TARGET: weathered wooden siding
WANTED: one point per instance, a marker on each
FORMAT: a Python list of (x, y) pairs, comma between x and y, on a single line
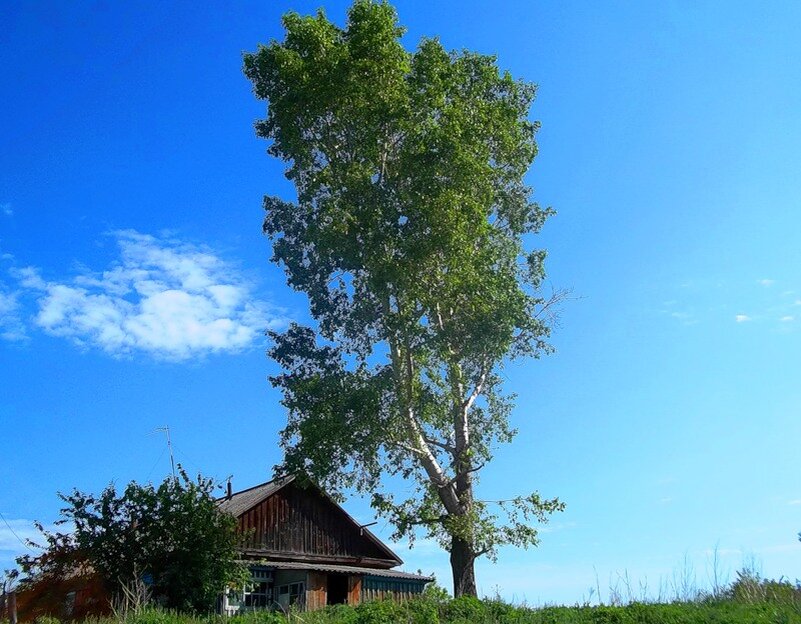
[(316, 594), (354, 590), (294, 521)]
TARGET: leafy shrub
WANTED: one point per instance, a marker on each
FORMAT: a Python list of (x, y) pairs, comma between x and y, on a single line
[(379, 612), (463, 610), (424, 610)]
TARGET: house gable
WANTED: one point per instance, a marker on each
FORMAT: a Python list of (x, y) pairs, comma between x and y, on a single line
[(285, 521)]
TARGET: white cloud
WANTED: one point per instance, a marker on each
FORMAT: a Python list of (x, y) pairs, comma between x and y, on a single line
[(164, 297), (787, 319), (11, 326), (7, 210), (796, 501), (742, 318), (767, 282)]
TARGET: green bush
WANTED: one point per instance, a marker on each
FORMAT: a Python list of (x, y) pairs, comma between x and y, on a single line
[(751, 601), (379, 612), (463, 610)]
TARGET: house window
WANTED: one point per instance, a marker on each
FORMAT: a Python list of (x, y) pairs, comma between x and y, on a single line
[(257, 595), (292, 593), (296, 593)]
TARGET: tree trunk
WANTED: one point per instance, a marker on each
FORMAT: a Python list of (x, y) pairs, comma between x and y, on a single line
[(462, 564)]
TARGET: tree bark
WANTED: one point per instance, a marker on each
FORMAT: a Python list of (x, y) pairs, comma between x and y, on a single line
[(463, 566)]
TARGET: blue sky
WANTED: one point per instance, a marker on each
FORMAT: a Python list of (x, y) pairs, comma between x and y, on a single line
[(135, 283)]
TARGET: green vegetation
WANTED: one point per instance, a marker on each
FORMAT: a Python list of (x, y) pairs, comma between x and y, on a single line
[(172, 535), (749, 600), (410, 236)]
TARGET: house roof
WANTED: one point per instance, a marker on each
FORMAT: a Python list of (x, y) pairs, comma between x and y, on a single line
[(324, 567), (240, 502)]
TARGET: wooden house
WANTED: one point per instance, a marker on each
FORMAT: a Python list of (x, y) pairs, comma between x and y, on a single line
[(303, 549)]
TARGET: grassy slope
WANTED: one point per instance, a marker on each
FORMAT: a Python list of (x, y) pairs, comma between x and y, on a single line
[(750, 600)]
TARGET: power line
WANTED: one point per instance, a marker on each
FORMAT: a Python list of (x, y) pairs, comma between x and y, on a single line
[(153, 467), (14, 533)]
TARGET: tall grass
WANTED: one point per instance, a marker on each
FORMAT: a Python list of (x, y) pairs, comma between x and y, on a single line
[(749, 599)]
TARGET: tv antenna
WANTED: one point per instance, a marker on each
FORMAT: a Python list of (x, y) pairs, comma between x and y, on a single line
[(166, 430)]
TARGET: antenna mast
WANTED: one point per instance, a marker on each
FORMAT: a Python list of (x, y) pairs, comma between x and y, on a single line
[(166, 429)]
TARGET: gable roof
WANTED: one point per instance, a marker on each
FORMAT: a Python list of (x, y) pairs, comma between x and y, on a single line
[(241, 502)]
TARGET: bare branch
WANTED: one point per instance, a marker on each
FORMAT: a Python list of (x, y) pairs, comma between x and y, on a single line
[(408, 447), (477, 390), (443, 445), (466, 471)]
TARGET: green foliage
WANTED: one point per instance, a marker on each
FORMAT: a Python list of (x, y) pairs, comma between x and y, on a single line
[(378, 612), (463, 609), (257, 617), (173, 536), (468, 610), (407, 238)]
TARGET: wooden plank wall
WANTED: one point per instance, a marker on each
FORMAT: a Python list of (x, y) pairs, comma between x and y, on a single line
[(300, 521), (316, 590), (354, 590)]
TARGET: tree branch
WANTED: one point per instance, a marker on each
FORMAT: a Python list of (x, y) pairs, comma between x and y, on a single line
[(477, 390), (449, 448), (466, 471)]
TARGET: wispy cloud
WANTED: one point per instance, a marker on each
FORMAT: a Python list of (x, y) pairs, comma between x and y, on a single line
[(11, 325), (766, 302), (7, 210), (796, 501), (685, 317), (164, 297)]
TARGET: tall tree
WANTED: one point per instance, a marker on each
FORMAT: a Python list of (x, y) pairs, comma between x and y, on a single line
[(407, 237)]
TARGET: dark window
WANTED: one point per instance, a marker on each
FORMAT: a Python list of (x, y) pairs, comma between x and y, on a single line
[(257, 595)]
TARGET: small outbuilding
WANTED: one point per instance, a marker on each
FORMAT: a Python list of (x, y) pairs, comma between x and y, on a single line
[(304, 550)]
